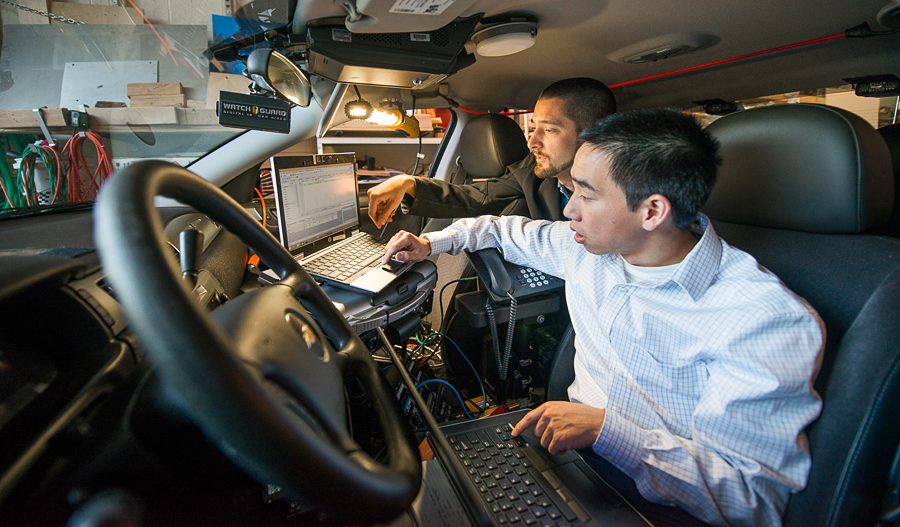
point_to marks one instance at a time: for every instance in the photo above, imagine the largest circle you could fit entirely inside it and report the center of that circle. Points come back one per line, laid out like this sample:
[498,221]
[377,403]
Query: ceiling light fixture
[505,38]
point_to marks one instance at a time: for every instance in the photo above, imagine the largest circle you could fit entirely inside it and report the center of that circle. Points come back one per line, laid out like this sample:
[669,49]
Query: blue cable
[458,396]
[481,384]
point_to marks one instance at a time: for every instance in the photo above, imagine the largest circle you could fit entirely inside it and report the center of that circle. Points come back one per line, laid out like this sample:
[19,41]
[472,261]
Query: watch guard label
[254,112]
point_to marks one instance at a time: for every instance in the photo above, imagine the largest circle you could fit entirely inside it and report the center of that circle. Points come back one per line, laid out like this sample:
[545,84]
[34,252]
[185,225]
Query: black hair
[658,151]
[586,100]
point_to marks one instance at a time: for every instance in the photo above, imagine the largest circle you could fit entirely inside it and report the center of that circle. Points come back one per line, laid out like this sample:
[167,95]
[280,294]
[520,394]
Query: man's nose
[534,142]
[569,210]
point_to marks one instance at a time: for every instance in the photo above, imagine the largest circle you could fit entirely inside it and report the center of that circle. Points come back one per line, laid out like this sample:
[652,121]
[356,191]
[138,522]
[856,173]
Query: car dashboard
[83,423]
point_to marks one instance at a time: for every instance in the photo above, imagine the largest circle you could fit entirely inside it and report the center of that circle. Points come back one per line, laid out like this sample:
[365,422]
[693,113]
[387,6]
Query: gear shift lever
[190,242]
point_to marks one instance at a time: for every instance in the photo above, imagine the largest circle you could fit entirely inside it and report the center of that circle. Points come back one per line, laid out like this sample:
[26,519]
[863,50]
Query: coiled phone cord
[503,362]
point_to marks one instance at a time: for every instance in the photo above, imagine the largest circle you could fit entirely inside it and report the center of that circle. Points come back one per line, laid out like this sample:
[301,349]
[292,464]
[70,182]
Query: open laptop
[481,476]
[492,478]
[317,207]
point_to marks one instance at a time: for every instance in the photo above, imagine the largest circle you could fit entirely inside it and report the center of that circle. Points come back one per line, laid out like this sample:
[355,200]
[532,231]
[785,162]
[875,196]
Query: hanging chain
[42,13]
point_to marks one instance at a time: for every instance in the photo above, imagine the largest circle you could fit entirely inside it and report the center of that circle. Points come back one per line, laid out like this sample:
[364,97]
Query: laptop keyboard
[515,491]
[347,260]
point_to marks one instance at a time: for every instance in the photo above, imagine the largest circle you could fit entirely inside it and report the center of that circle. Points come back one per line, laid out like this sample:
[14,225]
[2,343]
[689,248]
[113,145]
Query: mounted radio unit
[399,60]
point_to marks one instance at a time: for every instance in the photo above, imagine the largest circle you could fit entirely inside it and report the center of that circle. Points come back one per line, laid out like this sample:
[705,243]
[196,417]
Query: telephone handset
[501,277]
[498,276]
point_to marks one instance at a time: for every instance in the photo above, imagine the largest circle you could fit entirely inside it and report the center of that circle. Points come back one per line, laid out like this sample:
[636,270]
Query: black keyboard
[512,487]
[346,260]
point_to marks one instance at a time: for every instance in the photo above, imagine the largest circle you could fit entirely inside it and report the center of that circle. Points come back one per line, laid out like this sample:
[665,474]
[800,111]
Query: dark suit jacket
[517,192]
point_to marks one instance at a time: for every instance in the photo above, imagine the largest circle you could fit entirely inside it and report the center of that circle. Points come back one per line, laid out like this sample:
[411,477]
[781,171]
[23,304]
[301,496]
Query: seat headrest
[489,143]
[804,167]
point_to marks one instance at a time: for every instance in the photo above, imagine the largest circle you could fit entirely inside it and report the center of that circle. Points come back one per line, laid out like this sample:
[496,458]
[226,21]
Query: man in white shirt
[694,365]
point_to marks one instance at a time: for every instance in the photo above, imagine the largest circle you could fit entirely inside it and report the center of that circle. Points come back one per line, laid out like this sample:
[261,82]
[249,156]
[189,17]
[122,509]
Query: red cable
[6,194]
[780,48]
[265,214]
[29,166]
[154,30]
[59,178]
[80,187]
[468,110]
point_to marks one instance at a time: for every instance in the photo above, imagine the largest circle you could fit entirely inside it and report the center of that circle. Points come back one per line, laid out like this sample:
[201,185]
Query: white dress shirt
[706,375]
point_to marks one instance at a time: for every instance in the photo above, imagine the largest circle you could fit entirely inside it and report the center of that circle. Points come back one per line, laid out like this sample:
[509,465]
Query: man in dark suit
[536,187]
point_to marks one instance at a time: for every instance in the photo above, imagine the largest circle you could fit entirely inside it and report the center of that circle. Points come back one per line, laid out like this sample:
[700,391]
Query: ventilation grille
[440,37]
[392,39]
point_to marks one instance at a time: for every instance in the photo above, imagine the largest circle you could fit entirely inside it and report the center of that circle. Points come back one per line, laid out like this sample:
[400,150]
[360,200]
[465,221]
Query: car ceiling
[575,38]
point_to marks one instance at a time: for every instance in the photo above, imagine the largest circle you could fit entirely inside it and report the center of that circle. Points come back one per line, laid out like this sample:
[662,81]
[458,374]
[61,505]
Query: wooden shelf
[114,119]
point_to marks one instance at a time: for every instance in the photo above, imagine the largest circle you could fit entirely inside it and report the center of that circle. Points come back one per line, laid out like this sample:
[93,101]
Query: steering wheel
[259,375]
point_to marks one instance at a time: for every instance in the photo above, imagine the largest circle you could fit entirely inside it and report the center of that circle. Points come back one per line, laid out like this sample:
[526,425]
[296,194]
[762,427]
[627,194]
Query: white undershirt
[636,273]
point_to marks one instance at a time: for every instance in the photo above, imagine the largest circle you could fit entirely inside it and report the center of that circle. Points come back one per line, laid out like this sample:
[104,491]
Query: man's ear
[655,210]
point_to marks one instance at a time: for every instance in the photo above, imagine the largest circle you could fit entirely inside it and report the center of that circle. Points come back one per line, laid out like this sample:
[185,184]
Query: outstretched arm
[385,197]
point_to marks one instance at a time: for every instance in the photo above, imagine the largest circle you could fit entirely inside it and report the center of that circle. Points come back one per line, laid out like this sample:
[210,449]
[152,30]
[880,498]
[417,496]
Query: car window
[877,111]
[87,90]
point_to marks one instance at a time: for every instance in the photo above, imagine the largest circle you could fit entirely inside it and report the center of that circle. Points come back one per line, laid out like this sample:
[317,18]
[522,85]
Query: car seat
[797,186]
[891,136]
[487,145]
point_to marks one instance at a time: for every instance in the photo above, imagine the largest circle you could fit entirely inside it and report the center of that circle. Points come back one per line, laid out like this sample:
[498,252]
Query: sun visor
[400,60]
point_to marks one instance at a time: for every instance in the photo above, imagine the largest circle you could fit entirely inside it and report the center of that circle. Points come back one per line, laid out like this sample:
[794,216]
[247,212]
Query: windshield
[88,89]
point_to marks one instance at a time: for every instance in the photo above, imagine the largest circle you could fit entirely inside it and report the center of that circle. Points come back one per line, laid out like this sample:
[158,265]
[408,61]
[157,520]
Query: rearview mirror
[272,72]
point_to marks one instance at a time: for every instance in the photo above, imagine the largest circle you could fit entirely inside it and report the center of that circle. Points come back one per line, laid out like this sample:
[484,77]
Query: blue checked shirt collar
[699,267]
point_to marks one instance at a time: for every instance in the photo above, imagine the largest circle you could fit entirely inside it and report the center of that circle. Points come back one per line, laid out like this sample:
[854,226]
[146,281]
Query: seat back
[487,145]
[891,136]
[562,367]
[797,185]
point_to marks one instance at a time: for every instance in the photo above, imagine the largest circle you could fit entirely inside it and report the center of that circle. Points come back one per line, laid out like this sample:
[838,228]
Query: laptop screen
[313,201]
